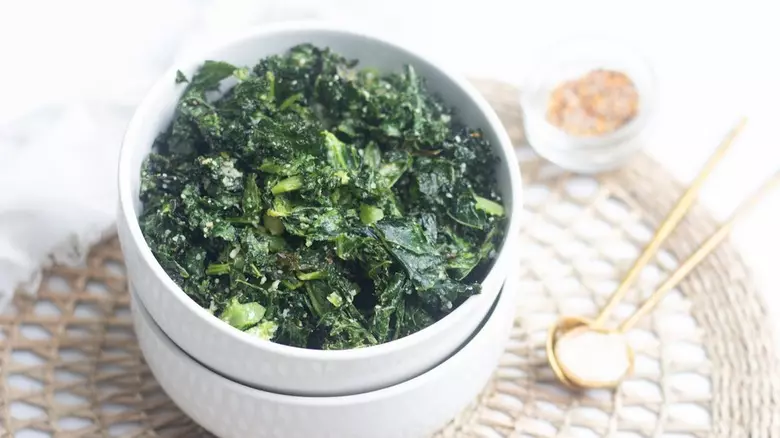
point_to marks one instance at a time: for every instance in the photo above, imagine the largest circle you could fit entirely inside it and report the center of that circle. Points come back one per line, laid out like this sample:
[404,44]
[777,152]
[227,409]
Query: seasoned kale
[318,204]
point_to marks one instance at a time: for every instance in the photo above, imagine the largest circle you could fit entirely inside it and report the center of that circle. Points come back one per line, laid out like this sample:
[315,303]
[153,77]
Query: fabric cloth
[73,74]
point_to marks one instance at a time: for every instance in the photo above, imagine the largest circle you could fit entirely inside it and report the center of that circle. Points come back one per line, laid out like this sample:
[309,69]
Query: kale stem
[218,269]
[287,185]
[253,286]
[289,101]
[316,275]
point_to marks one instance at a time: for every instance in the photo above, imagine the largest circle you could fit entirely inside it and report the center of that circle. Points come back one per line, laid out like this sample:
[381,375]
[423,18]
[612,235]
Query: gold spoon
[568,328]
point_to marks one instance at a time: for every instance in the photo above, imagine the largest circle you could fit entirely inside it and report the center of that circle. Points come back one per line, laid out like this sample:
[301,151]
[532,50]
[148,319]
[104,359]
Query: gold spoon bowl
[575,369]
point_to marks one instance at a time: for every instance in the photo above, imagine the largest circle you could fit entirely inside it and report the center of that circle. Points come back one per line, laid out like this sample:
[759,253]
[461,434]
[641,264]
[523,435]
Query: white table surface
[715,61]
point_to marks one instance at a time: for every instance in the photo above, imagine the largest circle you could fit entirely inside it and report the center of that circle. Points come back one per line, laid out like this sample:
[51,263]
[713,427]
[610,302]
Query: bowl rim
[504,298]
[210,50]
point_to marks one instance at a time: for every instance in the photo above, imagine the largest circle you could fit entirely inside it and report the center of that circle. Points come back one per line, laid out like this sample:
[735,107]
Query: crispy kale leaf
[320,205]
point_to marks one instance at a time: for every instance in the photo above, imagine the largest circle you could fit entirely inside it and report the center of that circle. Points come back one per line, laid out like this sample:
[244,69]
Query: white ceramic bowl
[280,368]
[415,408]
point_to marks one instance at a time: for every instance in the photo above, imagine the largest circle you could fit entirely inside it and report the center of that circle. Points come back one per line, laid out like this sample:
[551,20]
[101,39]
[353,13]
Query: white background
[91,60]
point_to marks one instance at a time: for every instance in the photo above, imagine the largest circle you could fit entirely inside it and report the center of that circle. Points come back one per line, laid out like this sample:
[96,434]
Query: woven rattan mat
[706,363]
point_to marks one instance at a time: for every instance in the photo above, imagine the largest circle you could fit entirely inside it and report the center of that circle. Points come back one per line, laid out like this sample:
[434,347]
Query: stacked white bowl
[237,385]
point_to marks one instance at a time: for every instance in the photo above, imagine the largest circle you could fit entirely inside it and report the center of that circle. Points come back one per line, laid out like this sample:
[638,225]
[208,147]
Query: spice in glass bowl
[597,103]
[586,102]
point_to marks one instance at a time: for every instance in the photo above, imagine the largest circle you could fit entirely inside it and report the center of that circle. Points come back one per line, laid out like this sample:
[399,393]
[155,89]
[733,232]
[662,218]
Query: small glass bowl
[569,60]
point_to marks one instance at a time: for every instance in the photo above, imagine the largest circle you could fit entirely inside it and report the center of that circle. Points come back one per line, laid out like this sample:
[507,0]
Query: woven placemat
[706,362]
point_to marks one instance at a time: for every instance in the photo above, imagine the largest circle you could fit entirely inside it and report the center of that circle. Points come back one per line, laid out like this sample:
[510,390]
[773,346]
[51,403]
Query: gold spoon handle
[704,250]
[668,225]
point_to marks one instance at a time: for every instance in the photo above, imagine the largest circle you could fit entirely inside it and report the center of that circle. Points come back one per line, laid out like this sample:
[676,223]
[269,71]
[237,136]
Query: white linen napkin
[73,73]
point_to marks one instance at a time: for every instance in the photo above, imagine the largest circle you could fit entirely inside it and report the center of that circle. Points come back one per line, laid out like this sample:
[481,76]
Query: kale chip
[320,205]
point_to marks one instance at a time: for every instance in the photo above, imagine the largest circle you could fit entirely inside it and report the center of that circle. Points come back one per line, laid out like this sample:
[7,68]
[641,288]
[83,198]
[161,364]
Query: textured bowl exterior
[267,365]
[415,408]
